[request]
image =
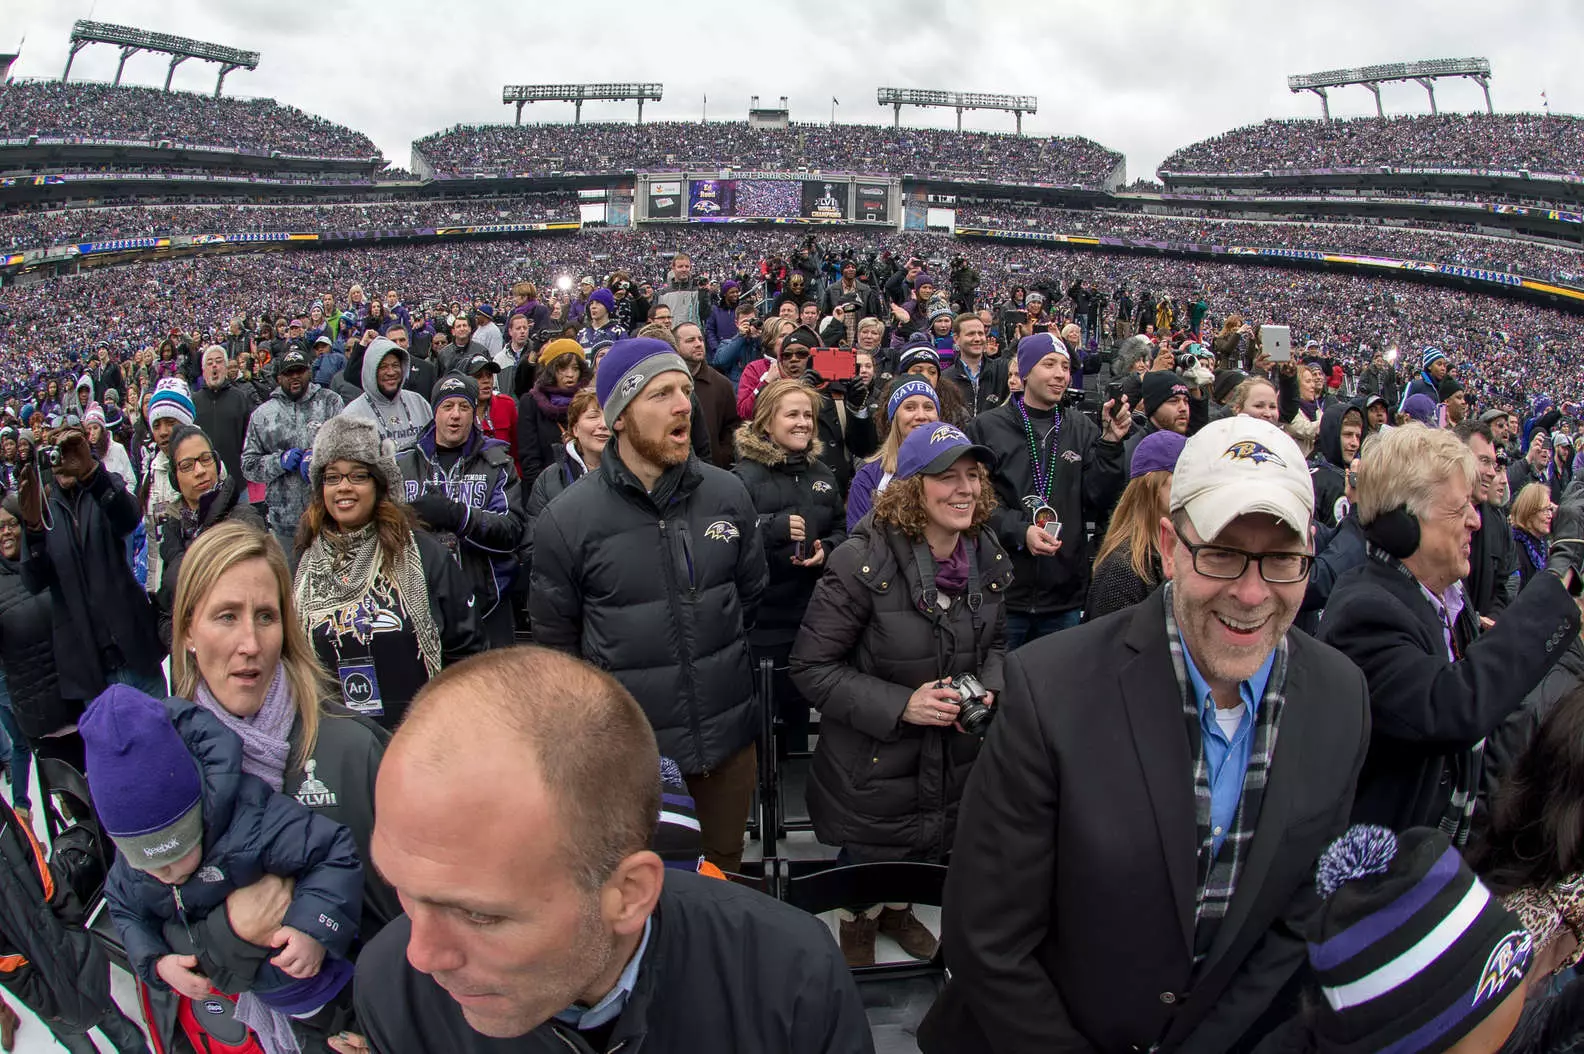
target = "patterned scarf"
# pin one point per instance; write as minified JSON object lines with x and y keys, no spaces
{"x":338,"y":572}
{"x":1535,"y":547}
{"x":1218,"y":872}
{"x":266,"y":736}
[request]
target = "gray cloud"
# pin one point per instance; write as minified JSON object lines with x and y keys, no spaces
{"x":1140,"y":76}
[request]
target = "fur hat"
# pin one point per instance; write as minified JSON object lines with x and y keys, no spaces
{"x":356,"y":439}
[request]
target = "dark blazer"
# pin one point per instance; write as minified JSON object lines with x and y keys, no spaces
{"x":1068,"y":921}
{"x":1425,"y":708}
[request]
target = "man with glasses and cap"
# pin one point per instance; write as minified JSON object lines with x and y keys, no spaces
{"x":276,"y":450}
{"x":1134,"y":863}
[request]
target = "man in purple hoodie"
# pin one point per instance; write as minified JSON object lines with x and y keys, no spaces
{"x":722,"y":323}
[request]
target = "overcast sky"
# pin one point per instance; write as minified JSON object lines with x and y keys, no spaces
{"x":1140,"y":76}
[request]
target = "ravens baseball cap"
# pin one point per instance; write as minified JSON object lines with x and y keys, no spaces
{"x":936,"y":447}
{"x":1241,"y":465}
{"x":478,"y":362}
{"x":323,"y":339}
{"x":294,"y":359}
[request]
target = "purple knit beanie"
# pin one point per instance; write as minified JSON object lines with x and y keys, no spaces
{"x":145,"y":783}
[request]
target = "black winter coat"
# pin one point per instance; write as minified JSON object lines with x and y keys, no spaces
{"x":223,"y":414}
{"x":1327,"y":473}
{"x":1493,"y":560}
{"x":882,"y":788}
{"x":1116,"y":585}
{"x":484,"y":480}
{"x":1090,"y":475}
{"x":56,"y":969}
{"x":103,"y":621}
{"x":27,"y":655}
{"x":660,"y":588}
{"x":1512,"y":737}
{"x":727,"y":971}
{"x":566,"y":471}
{"x":228,"y":501}
{"x":538,"y":438}
{"x":1425,"y":709}
{"x":781,"y":485}
{"x":985,"y":392}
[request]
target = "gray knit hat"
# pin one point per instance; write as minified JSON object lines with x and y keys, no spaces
{"x":356,"y":439}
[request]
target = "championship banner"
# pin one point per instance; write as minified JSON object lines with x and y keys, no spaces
{"x":825,"y":201}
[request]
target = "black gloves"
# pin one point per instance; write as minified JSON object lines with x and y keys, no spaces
{"x":1567,"y":546}
{"x":439,"y":511}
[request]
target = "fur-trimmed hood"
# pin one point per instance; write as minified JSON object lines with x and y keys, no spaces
{"x":757,"y":446}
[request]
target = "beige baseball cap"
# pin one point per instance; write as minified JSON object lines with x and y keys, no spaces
{"x":1240,"y":465}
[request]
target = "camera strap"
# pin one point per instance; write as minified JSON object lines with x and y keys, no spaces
{"x":973,"y":595}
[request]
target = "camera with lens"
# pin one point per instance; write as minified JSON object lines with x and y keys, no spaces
{"x":975,"y":713}
{"x":51,"y":456}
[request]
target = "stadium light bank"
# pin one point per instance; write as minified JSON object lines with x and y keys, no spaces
{"x":132,"y":40}
{"x":578,"y":93}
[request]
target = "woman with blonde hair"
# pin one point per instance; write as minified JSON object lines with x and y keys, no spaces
{"x":1532,"y":512}
{"x":800,"y":523}
{"x":1128,"y":567}
{"x":1256,"y":397}
{"x":239,"y":651}
{"x":912,"y":401}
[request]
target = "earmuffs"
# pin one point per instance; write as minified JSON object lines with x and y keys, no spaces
{"x":1395,"y":532}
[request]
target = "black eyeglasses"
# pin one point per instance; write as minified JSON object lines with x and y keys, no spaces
{"x":187,"y":464}
{"x":1218,"y":561}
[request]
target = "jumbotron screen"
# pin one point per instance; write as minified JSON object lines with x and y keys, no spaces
{"x":726,"y":199}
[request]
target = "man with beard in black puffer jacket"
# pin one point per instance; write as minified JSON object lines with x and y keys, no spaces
{"x":652,"y":568}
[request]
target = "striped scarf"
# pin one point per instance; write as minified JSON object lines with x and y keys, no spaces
{"x":1218,"y":872}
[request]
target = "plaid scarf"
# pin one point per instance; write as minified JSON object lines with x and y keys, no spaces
{"x":1218,"y":872}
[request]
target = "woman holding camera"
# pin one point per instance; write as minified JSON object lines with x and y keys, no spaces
{"x":911,"y":601}
{"x":800,"y":522}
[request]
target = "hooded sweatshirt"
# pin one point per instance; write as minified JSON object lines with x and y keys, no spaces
{"x":400,"y":418}
{"x":1327,"y":470}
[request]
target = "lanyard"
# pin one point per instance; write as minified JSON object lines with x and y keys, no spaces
{"x":1044,"y":475}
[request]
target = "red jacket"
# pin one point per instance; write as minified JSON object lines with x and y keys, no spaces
{"x":499,"y":421}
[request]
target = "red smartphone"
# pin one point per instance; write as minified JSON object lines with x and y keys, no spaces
{"x":834,"y":364}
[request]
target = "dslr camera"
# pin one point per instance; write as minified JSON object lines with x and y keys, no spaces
{"x":975,"y":714}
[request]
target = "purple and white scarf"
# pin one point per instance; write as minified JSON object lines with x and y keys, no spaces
{"x":266,"y":736}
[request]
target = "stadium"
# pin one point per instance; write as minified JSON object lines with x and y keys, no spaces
{"x":154,"y":223}
{"x":195,"y":191}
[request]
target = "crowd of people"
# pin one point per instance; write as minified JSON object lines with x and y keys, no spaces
{"x":872,"y":149}
{"x":35,"y":227}
{"x":1325,"y":611}
{"x":79,"y":110}
{"x":1413,"y":241}
{"x":1506,"y":141}
{"x":1520,"y":347}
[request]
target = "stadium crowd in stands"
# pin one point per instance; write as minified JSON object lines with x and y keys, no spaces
{"x":871,"y":149}
{"x":1520,"y":346}
{"x":1448,"y":245}
{"x":102,"y":111}
{"x":1506,"y":141}
{"x":37,"y":228}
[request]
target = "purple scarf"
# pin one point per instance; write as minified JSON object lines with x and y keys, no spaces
{"x":553,"y":402}
{"x":266,"y":736}
{"x":951,"y":574}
